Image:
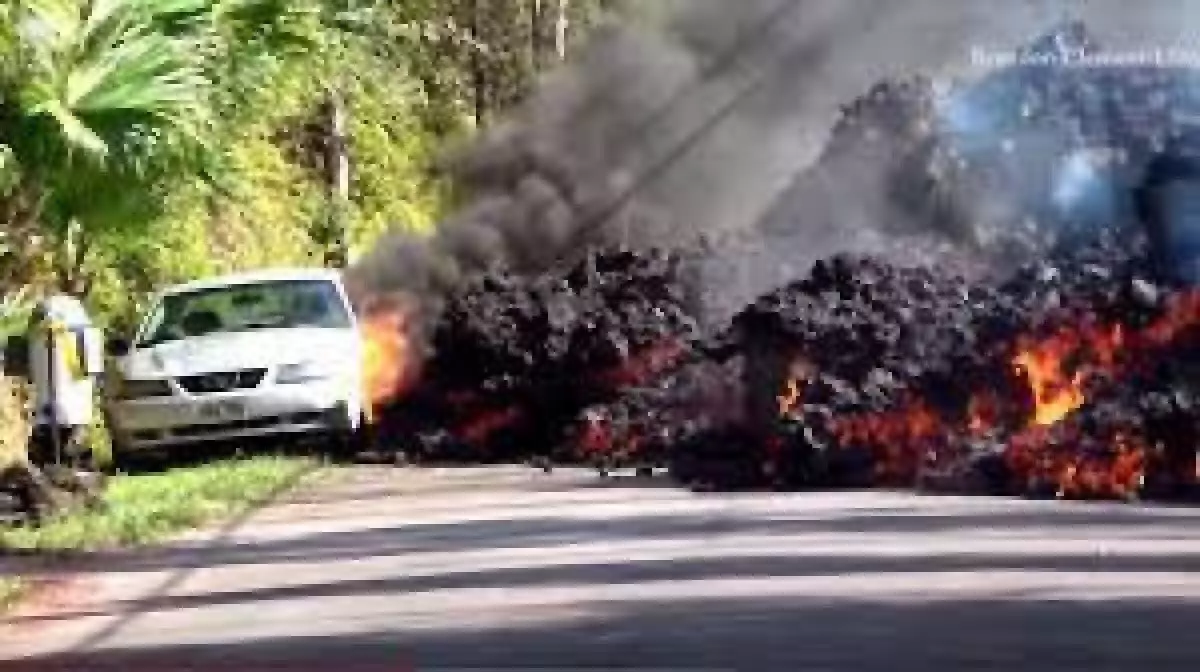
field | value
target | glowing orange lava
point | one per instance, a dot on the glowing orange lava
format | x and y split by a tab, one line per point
982	412
898	439
1046	453
481	427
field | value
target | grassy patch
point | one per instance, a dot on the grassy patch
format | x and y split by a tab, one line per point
10	454
13	426
11	588
143	509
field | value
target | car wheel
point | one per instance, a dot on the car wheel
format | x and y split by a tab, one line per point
348	443
118	461
126	460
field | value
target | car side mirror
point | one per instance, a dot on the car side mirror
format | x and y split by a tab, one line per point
118	346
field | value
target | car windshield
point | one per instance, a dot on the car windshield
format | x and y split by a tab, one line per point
265	305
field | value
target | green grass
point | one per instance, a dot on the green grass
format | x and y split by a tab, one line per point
142	509
12	423
11	588
10	453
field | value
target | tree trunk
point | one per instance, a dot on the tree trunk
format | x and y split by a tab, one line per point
478	67
561	26
72	252
337	166
536	18
21	216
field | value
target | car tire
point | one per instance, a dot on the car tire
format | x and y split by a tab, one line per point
351	442
119	459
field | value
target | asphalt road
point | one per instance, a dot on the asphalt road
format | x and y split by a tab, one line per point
513	569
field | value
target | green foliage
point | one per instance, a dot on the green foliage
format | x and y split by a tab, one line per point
15	309
14	421
100	98
11	590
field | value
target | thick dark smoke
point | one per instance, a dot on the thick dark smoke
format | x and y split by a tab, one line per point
692	121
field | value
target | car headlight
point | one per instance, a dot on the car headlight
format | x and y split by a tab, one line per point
304	372
141	389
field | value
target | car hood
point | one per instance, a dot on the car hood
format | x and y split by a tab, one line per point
241	350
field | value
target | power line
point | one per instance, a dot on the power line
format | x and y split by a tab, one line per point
713	70
724	61
658	168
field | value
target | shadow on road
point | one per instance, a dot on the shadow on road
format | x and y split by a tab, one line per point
553	531
738	634
638	572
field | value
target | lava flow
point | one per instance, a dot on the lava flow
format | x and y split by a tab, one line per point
1076	374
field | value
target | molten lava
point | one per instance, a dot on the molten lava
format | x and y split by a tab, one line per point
644	364
1047	448
900	440
479	429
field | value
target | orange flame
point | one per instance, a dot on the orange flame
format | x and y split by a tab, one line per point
799	372
1057	368
790	396
388	361
1056	392
1055	396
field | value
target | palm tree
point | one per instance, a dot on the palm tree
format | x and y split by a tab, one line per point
103	106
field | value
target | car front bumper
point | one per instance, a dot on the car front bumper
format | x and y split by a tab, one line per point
156	422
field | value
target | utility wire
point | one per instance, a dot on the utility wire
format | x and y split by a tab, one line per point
658	168
717	68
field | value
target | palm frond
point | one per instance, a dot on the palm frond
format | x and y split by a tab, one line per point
104	59
73	129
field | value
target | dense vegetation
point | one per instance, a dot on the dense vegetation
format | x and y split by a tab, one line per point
150	141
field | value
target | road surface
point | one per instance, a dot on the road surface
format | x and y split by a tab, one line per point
515	569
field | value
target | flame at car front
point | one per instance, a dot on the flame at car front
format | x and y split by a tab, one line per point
389	361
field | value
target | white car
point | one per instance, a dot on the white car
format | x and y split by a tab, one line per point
238	357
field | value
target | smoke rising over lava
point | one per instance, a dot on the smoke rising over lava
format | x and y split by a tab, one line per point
690	120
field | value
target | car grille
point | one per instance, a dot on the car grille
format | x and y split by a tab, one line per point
222	382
